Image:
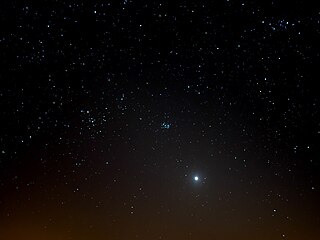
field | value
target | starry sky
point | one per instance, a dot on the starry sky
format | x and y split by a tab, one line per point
159	120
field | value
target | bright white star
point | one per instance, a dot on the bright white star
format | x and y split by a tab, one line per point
196	178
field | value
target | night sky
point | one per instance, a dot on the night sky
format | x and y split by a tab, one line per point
178	120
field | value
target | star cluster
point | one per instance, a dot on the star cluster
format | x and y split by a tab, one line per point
159	120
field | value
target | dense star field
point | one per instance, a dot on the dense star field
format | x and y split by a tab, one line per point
175	120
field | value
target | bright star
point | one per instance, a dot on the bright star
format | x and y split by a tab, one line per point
165	125
196	178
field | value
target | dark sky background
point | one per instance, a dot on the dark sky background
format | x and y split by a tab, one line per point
110	109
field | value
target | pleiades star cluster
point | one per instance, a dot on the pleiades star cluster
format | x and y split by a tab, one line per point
173	120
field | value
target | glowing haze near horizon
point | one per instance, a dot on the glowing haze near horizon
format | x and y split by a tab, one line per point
159	120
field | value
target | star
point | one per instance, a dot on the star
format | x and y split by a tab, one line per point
196	178
165	125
